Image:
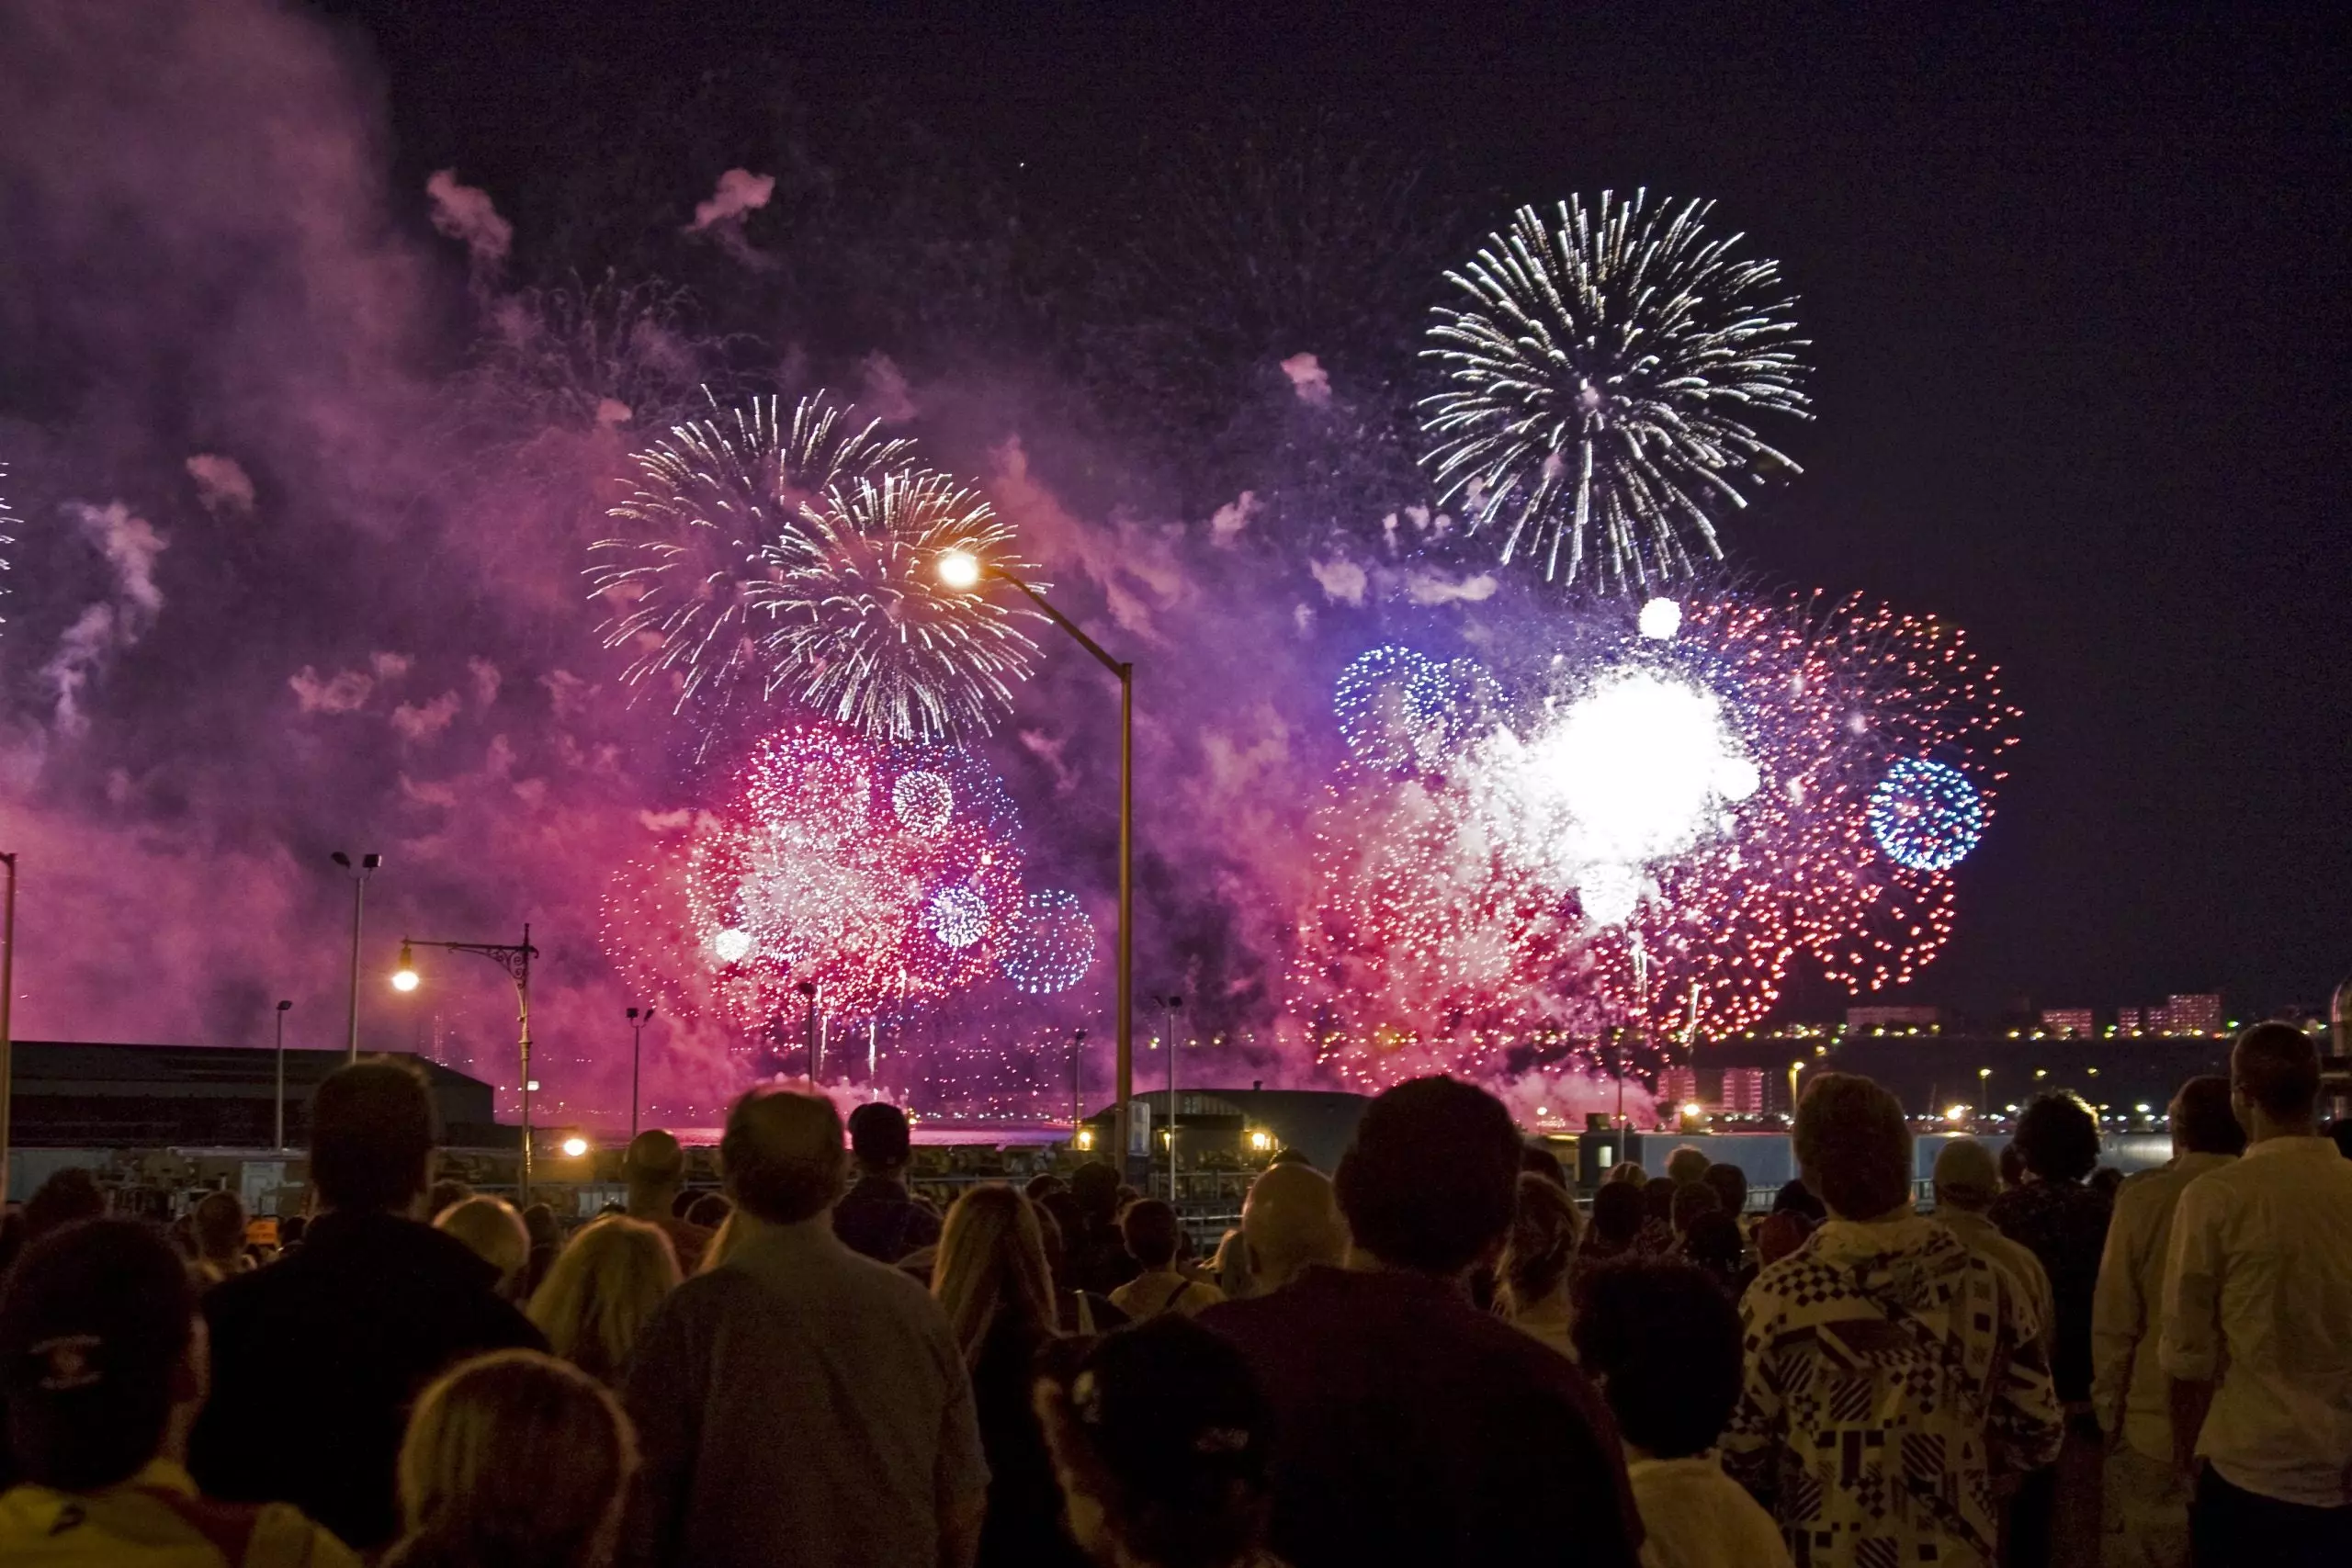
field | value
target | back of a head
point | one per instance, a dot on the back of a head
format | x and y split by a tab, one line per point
446	1195
1657	1198
1687	1166
371	1136
1796	1198
1291	1220
1095	1186
1183	1434
1854	1146
879	1136
991	1266
1729	1184
1044	1182
1292	1155
602	1291
219	1224
68	1196
1967	1176
2058	1138
1431	1180
1665	1344
514	1459
1629	1172
654	1163
2275	1068
709	1210
782	1154
2202	1121
94	1320
1617	1213
1150	1230
1691	1201
491	1231
1713	1240
1537	1160
1544	1229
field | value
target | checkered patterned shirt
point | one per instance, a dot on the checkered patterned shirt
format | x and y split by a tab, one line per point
1891	1372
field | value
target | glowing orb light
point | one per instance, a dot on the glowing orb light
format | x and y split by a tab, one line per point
1635	768
922	801
574	1147
1659	620
959	569
958	916
1053	944
731	946
1925	815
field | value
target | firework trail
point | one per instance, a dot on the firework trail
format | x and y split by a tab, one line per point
1602	374
864	630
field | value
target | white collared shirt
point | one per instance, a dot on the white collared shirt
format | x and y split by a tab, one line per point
2259	1297
2127	1386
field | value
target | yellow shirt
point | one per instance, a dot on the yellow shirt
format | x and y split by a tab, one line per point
2129	1388
146	1523
1148	1295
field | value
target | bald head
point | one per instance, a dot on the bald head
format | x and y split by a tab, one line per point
782	1154
1967	1176
655	1168
1290	1221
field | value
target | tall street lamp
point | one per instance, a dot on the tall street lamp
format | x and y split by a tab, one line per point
1175	1004
963	570
7	998
638	1019
514	957
359	875
280	1105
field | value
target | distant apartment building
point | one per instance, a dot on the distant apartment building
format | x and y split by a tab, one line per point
2075	1021
1717	1092
1894	1018
2197	1013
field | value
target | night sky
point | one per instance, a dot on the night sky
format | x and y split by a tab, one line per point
2076	284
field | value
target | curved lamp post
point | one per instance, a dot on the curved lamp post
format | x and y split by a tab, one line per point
516	959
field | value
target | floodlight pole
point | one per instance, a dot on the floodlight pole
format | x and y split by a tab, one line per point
7	999
516	959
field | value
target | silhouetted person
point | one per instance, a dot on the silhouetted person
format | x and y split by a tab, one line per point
800	1403
879	1216
1290	1223
1154	1237
1098	1254
316	1358
68	1196
218	1227
654	1166
1616	1221
1410	1426
1729	1184
2258	1324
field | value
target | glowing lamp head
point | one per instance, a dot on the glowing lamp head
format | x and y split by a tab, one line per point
1262	1142
404	978
1085	1137
1659	620
1956	1114
574	1147
1692	1108
959	569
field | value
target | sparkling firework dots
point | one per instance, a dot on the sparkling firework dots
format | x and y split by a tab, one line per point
924	801
866	630
1053	944
1925	815
1602	372
958	916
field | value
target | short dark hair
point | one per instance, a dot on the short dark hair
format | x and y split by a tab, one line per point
1617	1213
1796	1198
1713	1238
372	1135
880	1137
2202	1120
782	1154
1729	1184
1657	1198
1432	1178
1691	1201
1150	1231
1095	1186
68	1196
2058	1138
1664	1342
93	1320
219	1221
1854	1146
2276	1067
1537	1160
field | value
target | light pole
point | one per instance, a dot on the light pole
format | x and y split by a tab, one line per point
1794	1068
7	999
638	1019
280	1106
1077	1084
359	875
963	570
1175	1004
516	959
808	990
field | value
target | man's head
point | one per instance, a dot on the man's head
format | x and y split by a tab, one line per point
1617	1214
1690	1202
1665	1346
219	1225
1854	1147
67	1197
654	1165
1431	1180
879	1139
492	1232
2202	1121
2058	1138
1729	1184
1967	1176
1095	1186
98	1346
1290	1223
1686	1166
781	1154
372	1136
1150	1231
2274	1080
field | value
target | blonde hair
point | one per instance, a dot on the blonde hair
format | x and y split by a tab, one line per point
492	1232
992	1264
1545	1228
602	1291
514	1459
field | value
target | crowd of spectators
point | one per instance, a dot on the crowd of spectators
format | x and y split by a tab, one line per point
1433	1355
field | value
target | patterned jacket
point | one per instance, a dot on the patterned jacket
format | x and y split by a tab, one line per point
1891	1374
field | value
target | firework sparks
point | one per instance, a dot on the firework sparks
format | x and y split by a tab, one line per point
1601	378
1053	944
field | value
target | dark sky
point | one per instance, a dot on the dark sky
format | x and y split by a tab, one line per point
2077	290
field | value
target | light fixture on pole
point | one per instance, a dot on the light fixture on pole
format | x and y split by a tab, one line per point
1175	1004
280	1106
1077	1082
516	959
963	570
808	990
359	874
638	1019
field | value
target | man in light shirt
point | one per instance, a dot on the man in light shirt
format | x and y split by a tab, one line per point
2146	1500
1967	1180
2258	1325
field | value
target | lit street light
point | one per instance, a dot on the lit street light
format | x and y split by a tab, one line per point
574	1147
962	570
516	959
638	1019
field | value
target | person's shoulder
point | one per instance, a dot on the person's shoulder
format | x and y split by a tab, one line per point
284	1537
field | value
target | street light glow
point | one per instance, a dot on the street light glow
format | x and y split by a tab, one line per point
959	569
404	978
574	1147
1956	1114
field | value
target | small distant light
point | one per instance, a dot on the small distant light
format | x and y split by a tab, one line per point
531	1086
2141	1108
574	1147
1956	1114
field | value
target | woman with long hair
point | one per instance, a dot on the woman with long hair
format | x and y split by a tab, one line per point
602	1291
1531	1281
517	1459
991	1279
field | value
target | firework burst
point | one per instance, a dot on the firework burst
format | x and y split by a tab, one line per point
1601	378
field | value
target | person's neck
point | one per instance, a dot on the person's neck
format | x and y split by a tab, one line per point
2267	1128
895	1175
1895	1215
411	1209
749	1225
1361	1262
653	1203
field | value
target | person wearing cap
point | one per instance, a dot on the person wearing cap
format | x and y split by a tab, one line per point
1968	1178
878	1216
102	1371
1163	1446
